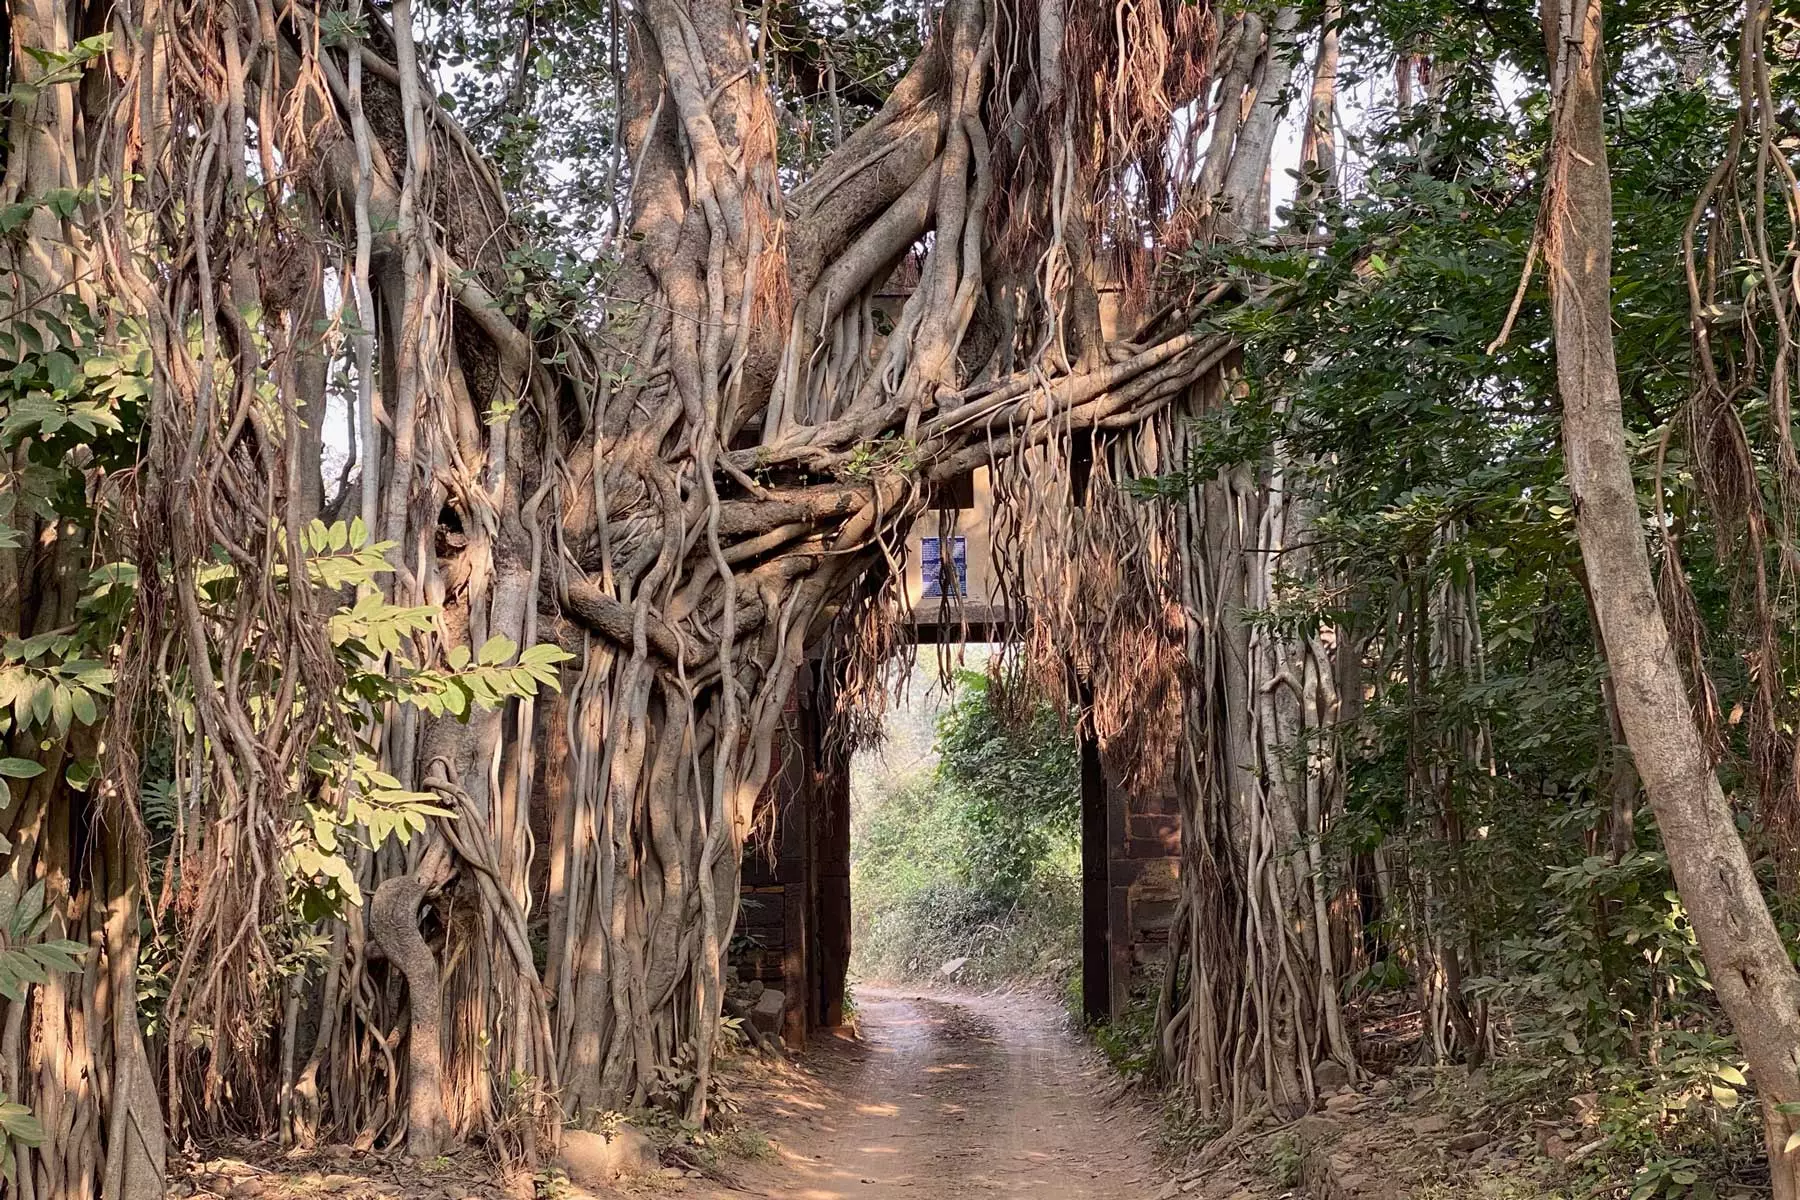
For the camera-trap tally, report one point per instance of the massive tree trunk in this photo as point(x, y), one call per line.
point(1251, 1000)
point(684, 497)
point(1746, 960)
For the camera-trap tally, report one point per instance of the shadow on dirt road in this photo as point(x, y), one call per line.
point(953, 1095)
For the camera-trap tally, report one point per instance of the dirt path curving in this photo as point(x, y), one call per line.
point(954, 1095)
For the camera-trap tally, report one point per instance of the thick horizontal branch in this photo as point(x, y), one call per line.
point(614, 620)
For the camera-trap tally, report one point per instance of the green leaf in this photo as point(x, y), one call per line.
point(30, 905)
point(496, 650)
point(79, 774)
point(20, 1125)
point(455, 699)
point(62, 709)
point(42, 697)
point(20, 768)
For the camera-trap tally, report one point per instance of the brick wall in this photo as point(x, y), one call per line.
point(794, 917)
point(1144, 841)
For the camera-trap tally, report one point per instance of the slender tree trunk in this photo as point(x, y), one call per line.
point(1755, 980)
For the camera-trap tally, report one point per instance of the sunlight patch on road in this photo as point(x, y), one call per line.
point(799, 1102)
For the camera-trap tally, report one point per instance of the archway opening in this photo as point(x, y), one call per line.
point(1026, 858)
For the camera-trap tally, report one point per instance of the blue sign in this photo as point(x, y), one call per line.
point(931, 565)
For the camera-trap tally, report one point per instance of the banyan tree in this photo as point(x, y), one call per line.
point(403, 801)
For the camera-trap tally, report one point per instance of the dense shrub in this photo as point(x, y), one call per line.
point(979, 859)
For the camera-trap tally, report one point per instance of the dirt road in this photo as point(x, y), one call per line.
point(946, 1096)
point(950, 1096)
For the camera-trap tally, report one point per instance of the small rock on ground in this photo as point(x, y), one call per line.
point(594, 1160)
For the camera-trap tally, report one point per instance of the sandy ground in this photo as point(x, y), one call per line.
point(953, 1095)
point(944, 1096)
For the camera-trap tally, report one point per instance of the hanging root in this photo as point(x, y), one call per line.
point(686, 498)
point(394, 924)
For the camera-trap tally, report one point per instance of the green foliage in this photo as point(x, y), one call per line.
point(979, 860)
point(25, 958)
point(45, 688)
point(917, 934)
point(537, 90)
point(744, 1145)
point(65, 384)
point(1427, 451)
point(1018, 786)
point(885, 456)
point(66, 397)
point(1129, 1039)
point(74, 386)
point(58, 67)
point(16, 1124)
point(911, 839)
point(1283, 1160)
point(1611, 964)
point(362, 805)
point(1677, 1124)
point(372, 631)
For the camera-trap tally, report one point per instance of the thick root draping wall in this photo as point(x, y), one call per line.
point(432, 819)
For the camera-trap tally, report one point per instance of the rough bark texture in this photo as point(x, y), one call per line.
point(394, 924)
point(70, 1050)
point(1251, 999)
